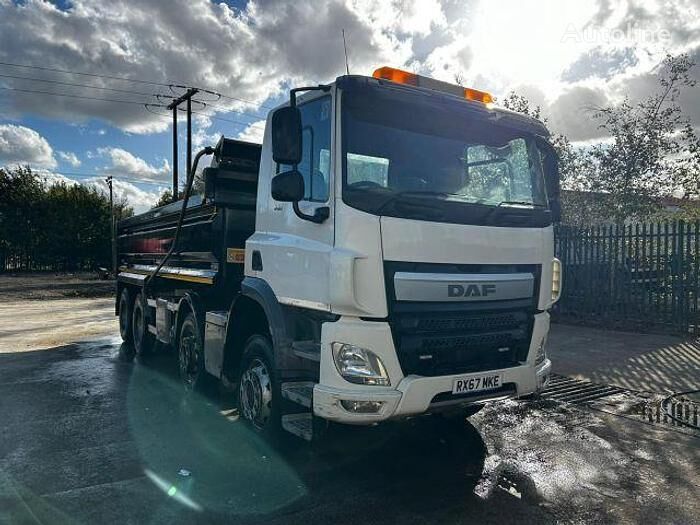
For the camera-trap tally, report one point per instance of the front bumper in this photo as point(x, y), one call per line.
point(410, 395)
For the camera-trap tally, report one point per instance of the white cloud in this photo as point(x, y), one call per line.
point(571, 115)
point(257, 52)
point(253, 133)
point(139, 199)
point(70, 158)
point(250, 54)
point(126, 164)
point(22, 145)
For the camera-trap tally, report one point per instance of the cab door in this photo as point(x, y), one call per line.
point(294, 253)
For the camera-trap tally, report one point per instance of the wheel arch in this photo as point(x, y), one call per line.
point(191, 302)
point(254, 311)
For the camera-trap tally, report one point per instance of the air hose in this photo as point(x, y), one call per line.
point(188, 188)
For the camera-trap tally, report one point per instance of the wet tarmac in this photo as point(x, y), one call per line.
point(91, 435)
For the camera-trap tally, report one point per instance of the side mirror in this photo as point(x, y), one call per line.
point(288, 186)
point(286, 136)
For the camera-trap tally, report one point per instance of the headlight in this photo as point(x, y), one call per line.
point(556, 280)
point(359, 365)
point(541, 354)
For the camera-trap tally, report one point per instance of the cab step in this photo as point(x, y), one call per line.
point(300, 392)
point(301, 425)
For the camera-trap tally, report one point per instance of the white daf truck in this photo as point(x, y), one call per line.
point(386, 252)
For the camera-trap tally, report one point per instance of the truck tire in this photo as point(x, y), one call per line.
point(143, 339)
point(258, 390)
point(125, 316)
point(190, 356)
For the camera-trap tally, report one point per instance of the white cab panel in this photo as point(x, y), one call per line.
point(435, 242)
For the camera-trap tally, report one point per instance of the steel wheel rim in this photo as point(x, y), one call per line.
point(255, 394)
point(189, 364)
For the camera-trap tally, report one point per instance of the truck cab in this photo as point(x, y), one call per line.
point(401, 260)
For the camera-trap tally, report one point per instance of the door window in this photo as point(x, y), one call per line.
point(315, 165)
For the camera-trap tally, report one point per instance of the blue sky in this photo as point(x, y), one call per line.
point(562, 56)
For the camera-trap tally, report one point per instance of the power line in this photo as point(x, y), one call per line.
point(148, 107)
point(126, 79)
point(95, 75)
point(73, 84)
point(133, 102)
point(156, 95)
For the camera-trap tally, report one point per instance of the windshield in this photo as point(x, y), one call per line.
point(394, 154)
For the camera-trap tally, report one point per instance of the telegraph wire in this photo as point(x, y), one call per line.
point(94, 75)
point(86, 97)
point(73, 84)
point(134, 80)
point(131, 102)
point(149, 107)
point(158, 96)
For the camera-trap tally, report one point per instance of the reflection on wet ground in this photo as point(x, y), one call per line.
point(90, 434)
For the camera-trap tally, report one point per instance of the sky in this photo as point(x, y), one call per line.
point(82, 82)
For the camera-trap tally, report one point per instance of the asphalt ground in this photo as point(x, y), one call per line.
point(91, 435)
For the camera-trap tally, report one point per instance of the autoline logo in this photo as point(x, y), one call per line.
point(470, 290)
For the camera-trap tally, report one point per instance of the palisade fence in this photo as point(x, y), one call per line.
point(28, 261)
point(642, 276)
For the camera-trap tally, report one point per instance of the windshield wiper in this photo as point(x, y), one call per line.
point(520, 203)
point(414, 193)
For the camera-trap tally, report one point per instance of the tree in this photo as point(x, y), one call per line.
point(165, 198)
point(521, 104)
point(57, 226)
point(654, 150)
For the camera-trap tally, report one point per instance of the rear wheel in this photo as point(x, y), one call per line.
point(143, 339)
point(258, 390)
point(125, 316)
point(190, 352)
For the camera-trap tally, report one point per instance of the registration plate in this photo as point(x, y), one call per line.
point(467, 385)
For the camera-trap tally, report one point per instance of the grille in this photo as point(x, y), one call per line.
point(449, 338)
point(445, 324)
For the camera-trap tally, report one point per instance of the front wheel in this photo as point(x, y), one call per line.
point(258, 391)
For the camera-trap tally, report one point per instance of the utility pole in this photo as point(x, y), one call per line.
point(174, 154)
point(185, 97)
point(108, 180)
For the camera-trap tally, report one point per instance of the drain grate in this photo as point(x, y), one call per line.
point(569, 390)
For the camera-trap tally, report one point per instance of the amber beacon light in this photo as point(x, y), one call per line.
point(404, 77)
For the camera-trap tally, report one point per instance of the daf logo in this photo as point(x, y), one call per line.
point(470, 290)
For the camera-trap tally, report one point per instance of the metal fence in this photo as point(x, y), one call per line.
point(22, 261)
point(641, 276)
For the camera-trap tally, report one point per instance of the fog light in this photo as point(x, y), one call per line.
point(359, 365)
point(541, 354)
point(362, 407)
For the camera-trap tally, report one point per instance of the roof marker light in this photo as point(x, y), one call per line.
point(404, 77)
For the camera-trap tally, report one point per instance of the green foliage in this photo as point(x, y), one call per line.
point(652, 152)
point(58, 226)
point(165, 198)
